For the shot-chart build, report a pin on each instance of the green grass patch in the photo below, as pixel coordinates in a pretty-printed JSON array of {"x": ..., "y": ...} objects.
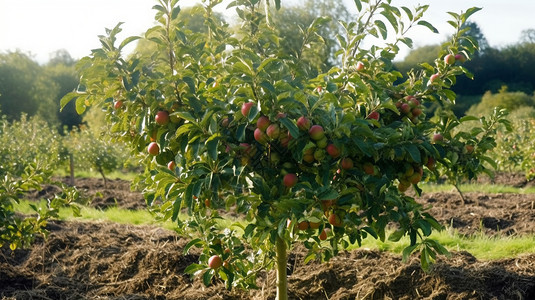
[
  {"x": 117, "y": 174},
  {"x": 479, "y": 245},
  {"x": 483, "y": 188}
]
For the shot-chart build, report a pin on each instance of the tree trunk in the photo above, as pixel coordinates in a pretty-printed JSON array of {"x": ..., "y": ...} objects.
[
  {"x": 71, "y": 167},
  {"x": 282, "y": 278}
]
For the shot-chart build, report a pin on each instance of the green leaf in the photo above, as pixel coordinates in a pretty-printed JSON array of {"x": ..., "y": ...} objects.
[
  {"x": 358, "y": 4},
  {"x": 292, "y": 128},
  {"x": 128, "y": 41},
  {"x": 190, "y": 244},
  {"x": 414, "y": 152},
  {"x": 408, "y": 12},
  {"x": 396, "y": 235},
  {"x": 428, "y": 25},
  {"x": 207, "y": 277},
  {"x": 186, "y": 116},
  {"x": 278, "y": 4},
  {"x": 68, "y": 98},
  {"x": 407, "y": 252},
  {"x": 80, "y": 105},
  {"x": 382, "y": 28},
  {"x": 211, "y": 146},
  {"x": 328, "y": 195},
  {"x": 468, "y": 118},
  {"x": 470, "y": 12}
]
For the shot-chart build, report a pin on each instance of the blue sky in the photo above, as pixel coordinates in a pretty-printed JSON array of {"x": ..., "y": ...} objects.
[{"x": 41, "y": 27}]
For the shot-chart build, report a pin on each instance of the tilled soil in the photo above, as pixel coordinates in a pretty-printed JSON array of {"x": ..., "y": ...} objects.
[{"x": 90, "y": 260}]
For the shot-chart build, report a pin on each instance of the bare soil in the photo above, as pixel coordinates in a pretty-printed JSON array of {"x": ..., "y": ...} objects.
[{"x": 96, "y": 260}]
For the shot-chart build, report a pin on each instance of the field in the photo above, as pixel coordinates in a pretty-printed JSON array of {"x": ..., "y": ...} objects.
[{"x": 106, "y": 260}]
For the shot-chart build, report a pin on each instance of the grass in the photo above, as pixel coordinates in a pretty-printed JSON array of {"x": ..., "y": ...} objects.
[
  {"x": 117, "y": 174},
  {"x": 479, "y": 245}
]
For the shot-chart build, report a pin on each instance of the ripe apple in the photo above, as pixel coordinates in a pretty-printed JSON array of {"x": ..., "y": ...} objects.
[
  {"x": 302, "y": 225},
  {"x": 316, "y": 132},
  {"x": 171, "y": 165},
  {"x": 246, "y": 108},
  {"x": 368, "y": 168},
  {"x": 374, "y": 115},
  {"x": 162, "y": 117},
  {"x": 333, "y": 151},
  {"x": 225, "y": 122},
  {"x": 260, "y": 136},
  {"x": 118, "y": 104},
  {"x": 215, "y": 262},
  {"x": 469, "y": 148},
  {"x": 289, "y": 180},
  {"x": 403, "y": 187},
  {"x": 460, "y": 57},
  {"x": 263, "y": 123},
  {"x": 153, "y": 148},
  {"x": 323, "y": 235},
  {"x": 430, "y": 163},
  {"x": 314, "y": 225},
  {"x": 360, "y": 66},
  {"x": 416, "y": 111},
  {"x": 347, "y": 163},
  {"x": 303, "y": 123},
  {"x": 284, "y": 140},
  {"x": 405, "y": 108},
  {"x": 273, "y": 131},
  {"x": 335, "y": 220},
  {"x": 437, "y": 137},
  {"x": 434, "y": 77},
  {"x": 449, "y": 59}
]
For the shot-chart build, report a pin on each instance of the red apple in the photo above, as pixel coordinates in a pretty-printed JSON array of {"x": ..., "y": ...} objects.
[
  {"x": 374, "y": 115},
  {"x": 246, "y": 108},
  {"x": 360, "y": 66},
  {"x": 416, "y": 111},
  {"x": 303, "y": 123},
  {"x": 118, "y": 104},
  {"x": 347, "y": 163},
  {"x": 302, "y": 225},
  {"x": 437, "y": 137},
  {"x": 260, "y": 136},
  {"x": 449, "y": 59},
  {"x": 171, "y": 165},
  {"x": 434, "y": 77},
  {"x": 263, "y": 123},
  {"x": 215, "y": 262},
  {"x": 153, "y": 148},
  {"x": 335, "y": 220},
  {"x": 469, "y": 148},
  {"x": 162, "y": 117},
  {"x": 332, "y": 150},
  {"x": 368, "y": 168},
  {"x": 273, "y": 131},
  {"x": 430, "y": 163},
  {"x": 323, "y": 235},
  {"x": 314, "y": 225},
  {"x": 405, "y": 108},
  {"x": 460, "y": 57},
  {"x": 289, "y": 180},
  {"x": 316, "y": 132}
]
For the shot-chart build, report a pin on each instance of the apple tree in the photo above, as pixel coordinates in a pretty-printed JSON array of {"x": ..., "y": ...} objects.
[{"x": 227, "y": 124}]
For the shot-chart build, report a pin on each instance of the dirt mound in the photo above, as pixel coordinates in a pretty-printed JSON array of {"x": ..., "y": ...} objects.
[
  {"x": 483, "y": 213},
  {"x": 113, "y": 193},
  {"x": 112, "y": 261}
]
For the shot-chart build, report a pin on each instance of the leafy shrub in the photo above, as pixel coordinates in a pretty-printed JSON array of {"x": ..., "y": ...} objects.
[{"x": 224, "y": 123}]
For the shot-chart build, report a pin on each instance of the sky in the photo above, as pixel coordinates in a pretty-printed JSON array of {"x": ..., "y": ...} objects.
[{"x": 41, "y": 27}]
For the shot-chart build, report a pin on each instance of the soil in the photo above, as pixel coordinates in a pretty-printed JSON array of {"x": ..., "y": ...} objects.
[{"x": 97, "y": 260}]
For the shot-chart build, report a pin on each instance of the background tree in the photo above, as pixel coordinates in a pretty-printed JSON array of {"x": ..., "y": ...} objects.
[
  {"x": 61, "y": 70},
  {"x": 24, "y": 88},
  {"x": 527, "y": 36}
]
